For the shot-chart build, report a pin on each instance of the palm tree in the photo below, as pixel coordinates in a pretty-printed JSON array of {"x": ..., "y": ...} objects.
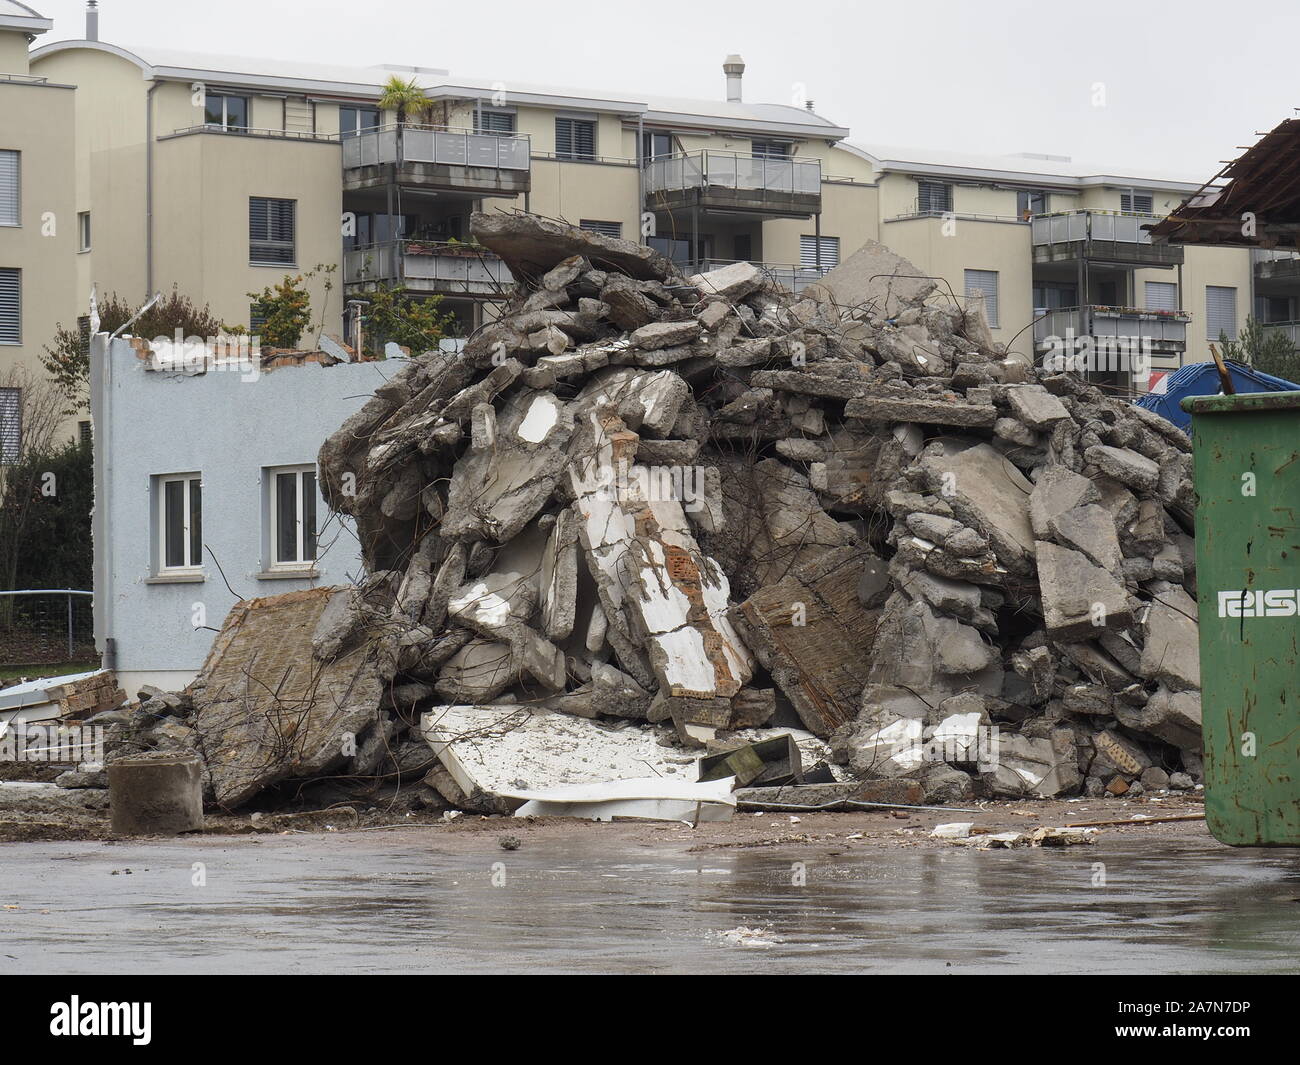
[{"x": 403, "y": 95}]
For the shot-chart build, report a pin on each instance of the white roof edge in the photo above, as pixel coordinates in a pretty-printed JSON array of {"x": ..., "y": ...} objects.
[
  {"x": 447, "y": 89},
  {"x": 29, "y": 24},
  {"x": 1022, "y": 176}
]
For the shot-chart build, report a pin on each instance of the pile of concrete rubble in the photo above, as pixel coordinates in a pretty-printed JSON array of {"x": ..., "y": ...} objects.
[{"x": 698, "y": 505}]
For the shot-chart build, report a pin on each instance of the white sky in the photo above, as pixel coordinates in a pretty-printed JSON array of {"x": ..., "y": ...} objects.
[{"x": 1185, "y": 85}]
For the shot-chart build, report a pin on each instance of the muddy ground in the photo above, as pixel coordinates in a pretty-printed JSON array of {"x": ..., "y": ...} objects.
[{"x": 834, "y": 831}]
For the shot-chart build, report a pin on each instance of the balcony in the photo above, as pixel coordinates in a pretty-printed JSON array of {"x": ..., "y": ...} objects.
[
  {"x": 461, "y": 270},
  {"x": 1165, "y": 330},
  {"x": 1101, "y": 237},
  {"x": 441, "y": 159},
  {"x": 1290, "y": 330},
  {"x": 735, "y": 183},
  {"x": 794, "y": 278},
  {"x": 1275, "y": 265}
]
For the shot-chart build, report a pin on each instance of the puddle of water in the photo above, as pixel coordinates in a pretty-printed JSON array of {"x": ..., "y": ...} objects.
[{"x": 358, "y": 904}]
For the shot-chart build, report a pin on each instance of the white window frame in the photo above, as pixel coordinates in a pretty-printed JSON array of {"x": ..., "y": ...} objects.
[
  {"x": 18, "y": 189},
  {"x": 272, "y": 474},
  {"x": 83, "y": 231},
  {"x": 190, "y": 566}
]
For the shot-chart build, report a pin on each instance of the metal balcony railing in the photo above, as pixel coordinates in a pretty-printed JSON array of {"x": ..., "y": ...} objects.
[
  {"x": 1168, "y": 327},
  {"x": 1065, "y": 226},
  {"x": 440, "y": 145},
  {"x": 1291, "y": 330},
  {"x": 424, "y": 261},
  {"x": 731, "y": 170},
  {"x": 794, "y": 278}
]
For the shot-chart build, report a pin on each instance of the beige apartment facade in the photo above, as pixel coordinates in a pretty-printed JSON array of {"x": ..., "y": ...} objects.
[
  {"x": 1055, "y": 246},
  {"x": 38, "y": 223},
  {"x": 220, "y": 175}
]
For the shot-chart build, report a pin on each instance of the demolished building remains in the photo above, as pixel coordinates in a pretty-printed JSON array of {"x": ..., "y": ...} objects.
[{"x": 682, "y": 512}]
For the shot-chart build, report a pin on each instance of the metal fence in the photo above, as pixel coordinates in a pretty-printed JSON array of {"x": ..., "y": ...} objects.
[
  {"x": 447, "y": 147},
  {"x": 40, "y": 626},
  {"x": 425, "y": 260},
  {"x": 731, "y": 170},
  {"x": 1062, "y": 227}
]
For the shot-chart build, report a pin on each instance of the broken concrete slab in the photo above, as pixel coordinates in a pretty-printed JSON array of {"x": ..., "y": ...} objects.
[
  {"x": 1080, "y": 599},
  {"x": 266, "y": 709},
  {"x": 873, "y": 279},
  {"x": 531, "y": 246}
]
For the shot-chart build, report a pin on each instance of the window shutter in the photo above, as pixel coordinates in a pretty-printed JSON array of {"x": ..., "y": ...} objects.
[
  {"x": 271, "y": 230},
  {"x": 575, "y": 138},
  {"x": 496, "y": 121},
  {"x": 605, "y": 229},
  {"x": 1220, "y": 311},
  {"x": 11, "y": 425},
  {"x": 830, "y": 247},
  {"x": 10, "y": 208},
  {"x": 1162, "y": 296},
  {"x": 1136, "y": 202},
  {"x": 11, "y": 331},
  {"x": 933, "y": 197},
  {"x": 986, "y": 283}
]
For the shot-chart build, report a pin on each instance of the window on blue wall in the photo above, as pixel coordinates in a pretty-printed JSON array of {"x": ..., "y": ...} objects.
[
  {"x": 291, "y": 516},
  {"x": 180, "y": 522}
]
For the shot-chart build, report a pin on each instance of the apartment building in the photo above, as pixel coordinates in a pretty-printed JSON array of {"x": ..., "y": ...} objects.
[
  {"x": 221, "y": 174},
  {"x": 1055, "y": 245},
  {"x": 38, "y": 234}
]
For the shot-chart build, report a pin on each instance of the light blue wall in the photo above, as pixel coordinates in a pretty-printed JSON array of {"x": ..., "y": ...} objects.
[{"x": 228, "y": 428}]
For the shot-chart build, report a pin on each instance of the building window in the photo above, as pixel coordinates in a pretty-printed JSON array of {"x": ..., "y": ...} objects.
[
  {"x": 1162, "y": 296},
  {"x": 985, "y": 282},
  {"x": 656, "y": 145},
  {"x": 1220, "y": 312},
  {"x": 291, "y": 517},
  {"x": 85, "y": 435},
  {"x": 933, "y": 197},
  {"x": 495, "y": 120},
  {"x": 83, "y": 231},
  {"x": 180, "y": 522},
  {"x": 1030, "y": 202},
  {"x": 11, "y": 306},
  {"x": 769, "y": 149},
  {"x": 354, "y": 120},
  {"x": 226, "y": 112},
  {"x": 1270, "y": 309},
  {"x": 10, "y": 188},
  {"x": 1133, "y": 202},
  {"x": 11, "y": 425},
  {"x": 605, "y": 229},
  {"x": 829, "y": 247},
  {"x": 575, "y": 138},
  {"x": 271, "y": 228}
]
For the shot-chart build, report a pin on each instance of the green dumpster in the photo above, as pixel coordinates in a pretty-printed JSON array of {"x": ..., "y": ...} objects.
[{"x": 1247, "y": 453}]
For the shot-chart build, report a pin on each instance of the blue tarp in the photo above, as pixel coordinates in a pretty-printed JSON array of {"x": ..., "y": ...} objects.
[{"x": 1202, "y": 379}]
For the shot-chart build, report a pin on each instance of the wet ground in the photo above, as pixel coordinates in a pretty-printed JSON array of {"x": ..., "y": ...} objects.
[{"x": 575, "y": 897}]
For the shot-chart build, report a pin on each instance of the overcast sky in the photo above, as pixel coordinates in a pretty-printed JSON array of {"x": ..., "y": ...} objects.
[{"x": 1172, "y": 88}]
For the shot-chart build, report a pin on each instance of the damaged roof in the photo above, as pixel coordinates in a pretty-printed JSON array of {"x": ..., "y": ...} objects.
[{"x": 1264, "y": 182}]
